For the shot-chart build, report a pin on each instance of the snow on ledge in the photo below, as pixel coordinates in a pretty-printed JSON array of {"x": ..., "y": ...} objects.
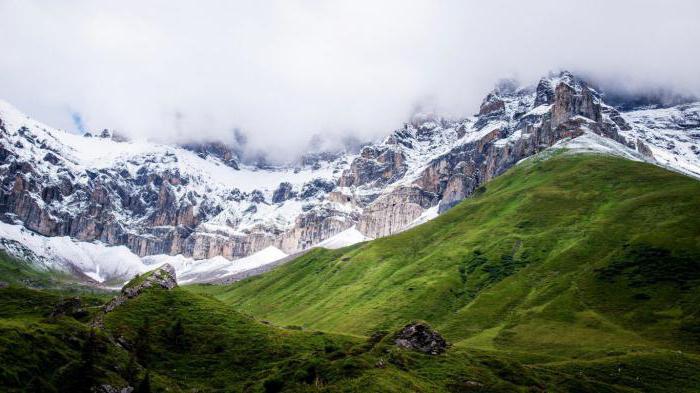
[
  {"x": 345, "y": 238},
  {"x": 190, "y": 270},
  {"x": 591, "y": 142}
]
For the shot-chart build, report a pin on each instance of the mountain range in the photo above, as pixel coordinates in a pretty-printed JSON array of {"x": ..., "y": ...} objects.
[
  {"x": 101, "y": 208},
  {"x": 570, "y": 272}
]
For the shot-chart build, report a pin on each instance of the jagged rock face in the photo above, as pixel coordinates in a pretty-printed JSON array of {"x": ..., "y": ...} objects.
[
  {"x": 316, "y": 187},
  {"x": 512, "y": 124},
  {"x": 491, "y": 105},
  {"x": 456, "y": 175},
  {"x": 376, "y": 165},
  {"x": 163, "y": 201},
  {"x": 544, "y": 93},
  {"x": 206, "y": 245},
  {"x": 98, "y": 201},
  {"x": 393, "y": 212},
  {"x": 570, "y": 102},
  {"x": 203, "y": 202},
  {"x": 422, "y": 338},
  {"x": 312, "y": 228}
]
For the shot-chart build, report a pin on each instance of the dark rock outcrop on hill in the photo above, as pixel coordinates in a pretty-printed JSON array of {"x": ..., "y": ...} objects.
[
  {"x": 283, "y": 193},
  {"x": 419, "y": 336},
  {"x": 72, "y": 306}
]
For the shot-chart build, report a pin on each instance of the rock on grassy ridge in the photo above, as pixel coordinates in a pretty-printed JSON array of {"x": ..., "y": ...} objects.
[{"x": 162, "y": 277}]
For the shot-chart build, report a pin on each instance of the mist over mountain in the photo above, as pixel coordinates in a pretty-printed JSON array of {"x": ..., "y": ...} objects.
[{"x": 284, "y": 72}]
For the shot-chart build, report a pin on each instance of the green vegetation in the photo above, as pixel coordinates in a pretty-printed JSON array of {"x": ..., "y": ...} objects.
[
  {"x": 41, "y": 352},
  {"x": 19, "y": 272},
  {"x": 14, "y": 271},
  {"x": 569, "y": 255},
  {"x": 579, "y": 273},
  {"x": 570, "y": 259},
  {"x": 179, "y": 341}
]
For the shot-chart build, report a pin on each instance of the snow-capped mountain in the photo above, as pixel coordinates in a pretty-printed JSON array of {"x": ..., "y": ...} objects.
[{"x": 211, "y": 215}]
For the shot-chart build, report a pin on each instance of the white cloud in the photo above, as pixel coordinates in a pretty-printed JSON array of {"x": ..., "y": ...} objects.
[{"x": 284, "y": 70}]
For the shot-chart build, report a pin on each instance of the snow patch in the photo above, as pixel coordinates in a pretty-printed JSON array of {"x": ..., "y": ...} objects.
[
  {"x": 345, "y": 238},
  {"x": 426, "y": 216},
  {"x": 591, "y": 142},
  {"x": 190, "y": 270}
]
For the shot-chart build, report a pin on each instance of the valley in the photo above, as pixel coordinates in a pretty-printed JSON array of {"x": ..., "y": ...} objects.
[{"x": 571, "y": 272}]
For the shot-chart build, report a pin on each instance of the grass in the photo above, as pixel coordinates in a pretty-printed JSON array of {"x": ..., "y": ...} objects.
[
  {"x": 575, "y": 273},
  {"x": 39, "y": 352},
  {"x": 571, "y": 258},
  {"x": 187, "y": 342}
]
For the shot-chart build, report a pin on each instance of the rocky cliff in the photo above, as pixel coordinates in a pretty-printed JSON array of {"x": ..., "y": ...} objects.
[{"x": 200, "y": 200}]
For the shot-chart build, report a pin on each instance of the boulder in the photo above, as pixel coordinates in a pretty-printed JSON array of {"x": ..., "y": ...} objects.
[
  {"x": 71, "y": 306},
  {"x": 106, "y": 388},
  {"x": 419, "y": 336}
]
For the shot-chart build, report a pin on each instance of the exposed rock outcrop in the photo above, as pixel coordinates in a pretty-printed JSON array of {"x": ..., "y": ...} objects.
[
  {"x": 393, "y": 212},
  {"x": 227, "y": 154},
  {"x": 162, "y": 277},
  {"x": 520, "y": 123},
  {"x": 643, "y": 148},
  {"x": 419, "y": 336},
  {"x": 282, "y": 193},
  {"x": 376, "y": 165},
  {"x": 106, "y": 388},
  {"x": 72, "y": 306}
]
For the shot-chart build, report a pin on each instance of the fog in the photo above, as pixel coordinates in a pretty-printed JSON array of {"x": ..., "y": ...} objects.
[{"x": 284, "y": 71}]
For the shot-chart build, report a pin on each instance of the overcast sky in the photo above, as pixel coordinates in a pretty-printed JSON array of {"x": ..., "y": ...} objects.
[{"x": 285, "y": 70}]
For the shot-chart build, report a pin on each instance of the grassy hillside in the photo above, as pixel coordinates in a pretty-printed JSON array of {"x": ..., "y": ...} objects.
[
  {"x": 575, "y": 256},
  {"x": 183, "y": 342},
  {"x": 15, "y": 271},
  {"x": 571, "y": 274}
]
